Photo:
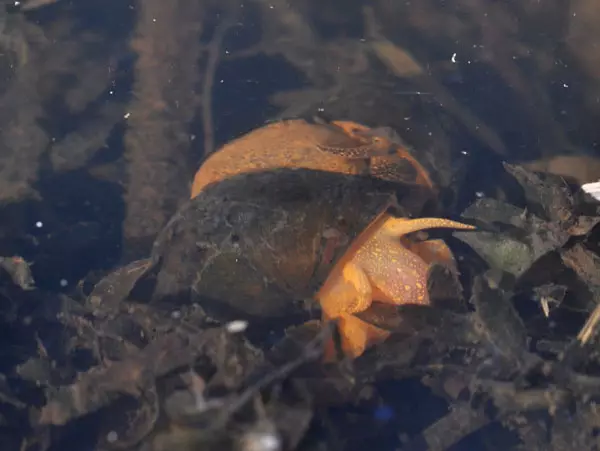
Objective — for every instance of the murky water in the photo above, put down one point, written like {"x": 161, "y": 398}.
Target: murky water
{"x": 106, "y": 103}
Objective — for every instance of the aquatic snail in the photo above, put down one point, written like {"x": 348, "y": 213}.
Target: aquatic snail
{"x": 263, "y": 232}
{"x": 343, "y": 147}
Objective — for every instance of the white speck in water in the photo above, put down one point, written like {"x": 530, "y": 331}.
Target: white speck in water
{"x": 236, "y": 326}
{"x": 565, "y": 85}
{"x": 126, "y": 116}
{"x": 480, "y": 194}
{"x": 112, "y": 437}
{"x": 175, "y": 314}
{"x": 464, "y": 152}
{"x": 261, "y": 441}
{"x": 453, "y": 59}
{"x": 63, "y": 283}
{"x": 39, "y": 224}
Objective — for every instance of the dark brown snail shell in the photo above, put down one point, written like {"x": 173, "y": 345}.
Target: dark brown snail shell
{"x": 257, "y": 242}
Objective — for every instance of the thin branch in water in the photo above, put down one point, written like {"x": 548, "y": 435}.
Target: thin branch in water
{"x": 214, "y": 50}
{"x": 33, "y": 4}
{"x": 590, "y": 327}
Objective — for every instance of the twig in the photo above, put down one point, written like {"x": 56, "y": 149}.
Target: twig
{"x": 310, "y": 352}
{"x": 214, "y": 50}
{"x": 459, "y": 423}
{"x": 589, "y": 328}
{"x": 33, "y": 4}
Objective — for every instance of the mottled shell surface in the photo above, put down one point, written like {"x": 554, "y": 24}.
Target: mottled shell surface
{"x": 258, "y": 241}
{"x": 343, "y": 147}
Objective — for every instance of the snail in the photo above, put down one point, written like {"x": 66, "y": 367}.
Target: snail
{"x": 261, "y": 242}
{"x": 318, "y": 211}
{"x": 338, "y": 146}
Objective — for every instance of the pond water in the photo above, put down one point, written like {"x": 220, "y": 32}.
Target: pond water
{"x": 465, "y": 84}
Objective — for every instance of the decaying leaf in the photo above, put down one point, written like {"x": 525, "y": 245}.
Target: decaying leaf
{"x": 550, "y": 197}
{"x": 584, "y": 262}
{"x": 19, "y": 271}
{"x": 116, "y": 286}
{"x": 499, "y": 320}
{"x": 513, "y": 239}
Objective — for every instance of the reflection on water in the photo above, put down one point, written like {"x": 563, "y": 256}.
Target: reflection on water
{"x": 109, "y": 106}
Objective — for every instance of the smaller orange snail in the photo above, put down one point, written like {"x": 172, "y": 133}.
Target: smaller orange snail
{"x": 342, "y": 147}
